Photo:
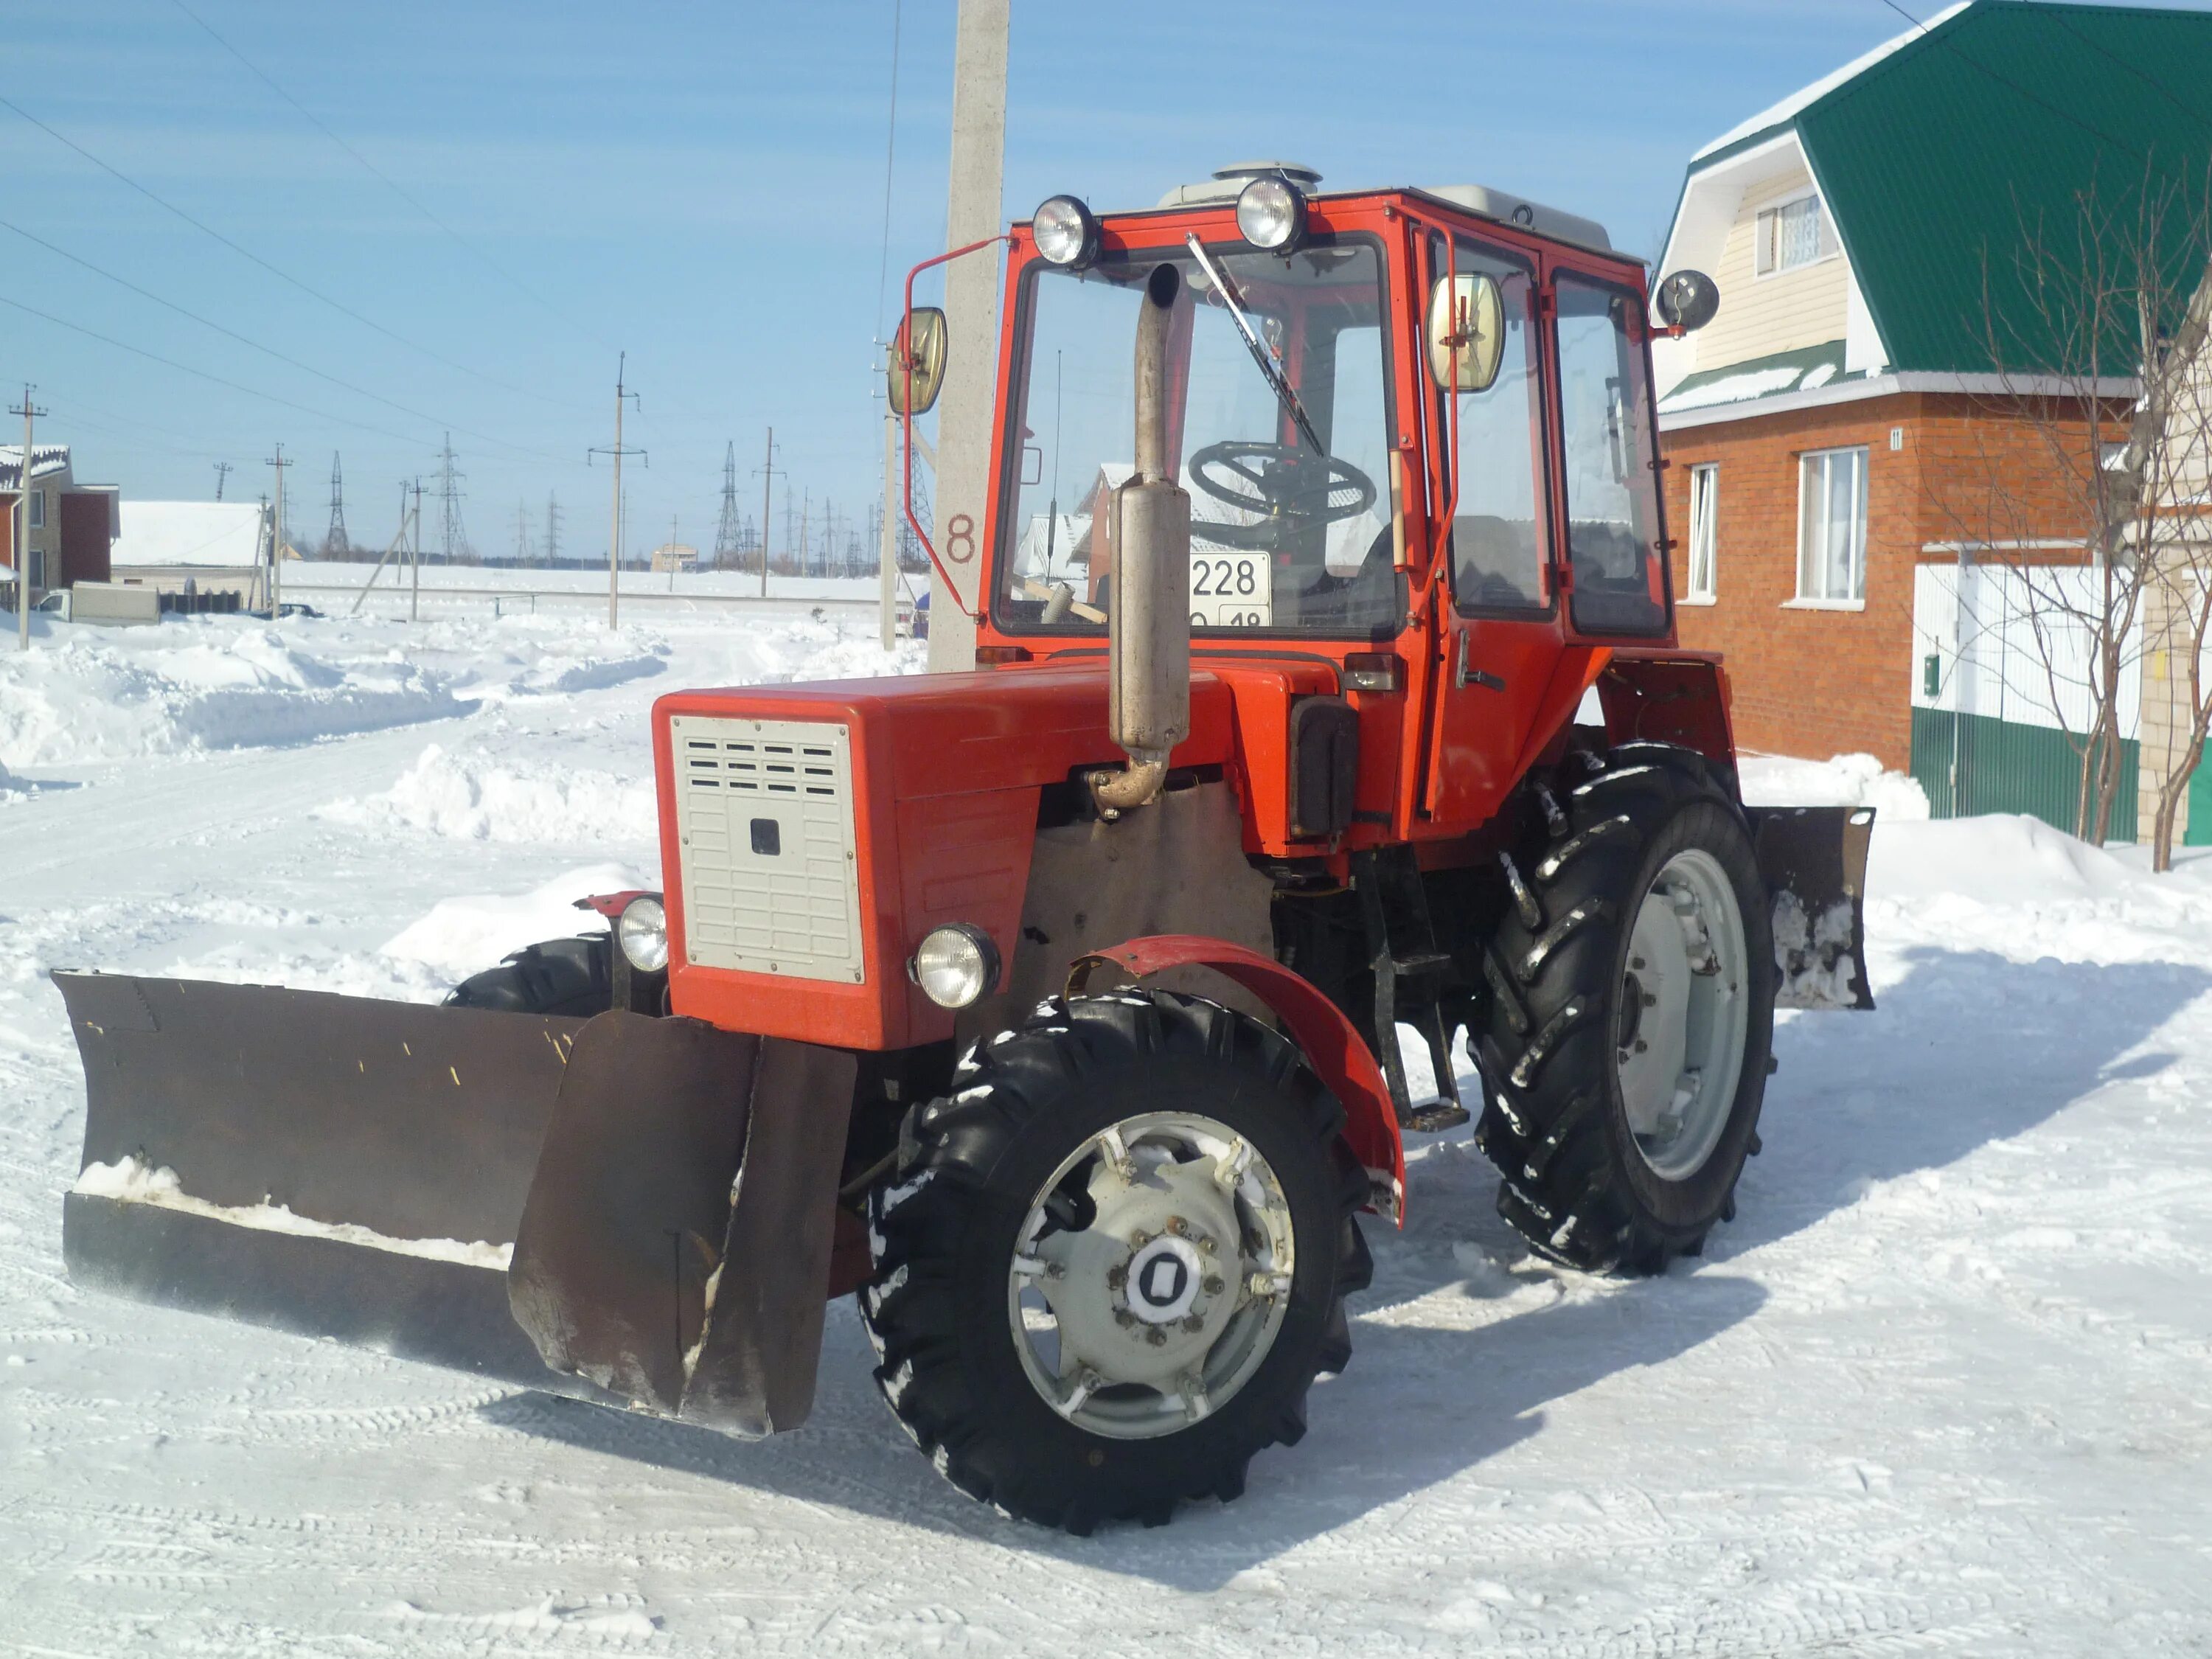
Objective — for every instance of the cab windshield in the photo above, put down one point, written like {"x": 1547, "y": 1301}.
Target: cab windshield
{"x": 1277, "y": 419}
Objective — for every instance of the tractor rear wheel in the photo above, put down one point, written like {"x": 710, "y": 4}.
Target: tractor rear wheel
{"x": 1630, "y": 1012}
{"x": 1113, "y": 1260}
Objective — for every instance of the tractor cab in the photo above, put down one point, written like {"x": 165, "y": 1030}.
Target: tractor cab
{"x": 1415, "y": 429}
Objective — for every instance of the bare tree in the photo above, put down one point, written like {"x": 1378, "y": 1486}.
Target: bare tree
{"x": 2097, "y": 343}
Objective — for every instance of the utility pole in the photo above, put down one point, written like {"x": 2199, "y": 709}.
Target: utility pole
{"x": 522, "y": 532}
{"x": 806, "y": 501}
{"x": 276, "y": 536}
{"x": 552, "y": 529}
{"x": 614, "y": 536}
{"x": 768, "y": 472}
{"x": 335, "y": 543}
{"x": 222, "y": 471}
{"x": 29, "y": 412}
{"x": 887, "y": 546}
{"x": 971, "y": 314}
{"x": 727, "y": 533}
{"x": 415, "y": 555}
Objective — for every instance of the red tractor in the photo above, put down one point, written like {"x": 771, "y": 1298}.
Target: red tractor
{"x": 1326, "y": 685}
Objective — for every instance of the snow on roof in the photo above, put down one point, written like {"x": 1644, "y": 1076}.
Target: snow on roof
{"x": 1774, "y": 115}
{"x": 45, "y": 458}
{"x": 218, "y": 533}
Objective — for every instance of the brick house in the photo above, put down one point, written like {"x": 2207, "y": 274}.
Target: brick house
{"x": 72, "y": 523}
{"x": 1834, "y": 438}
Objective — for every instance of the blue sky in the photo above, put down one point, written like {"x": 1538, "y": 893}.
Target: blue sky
{"x": 704, "y": 187}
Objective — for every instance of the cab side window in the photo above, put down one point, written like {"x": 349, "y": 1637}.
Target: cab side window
{"x": 1498, "y": 528}
{"x": 1613, "y": 507}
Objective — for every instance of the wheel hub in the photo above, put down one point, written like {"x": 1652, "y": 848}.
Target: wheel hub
{"x": 1684, "y": 1018}
{"x": 1163, "y": 1306}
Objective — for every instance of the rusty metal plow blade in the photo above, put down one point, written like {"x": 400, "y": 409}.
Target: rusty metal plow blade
{"x": 1814, "y": 859}
{"x": 545, "y": 1201}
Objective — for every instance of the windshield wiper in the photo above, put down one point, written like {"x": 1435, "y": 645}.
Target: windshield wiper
{"x": 1271, "y": 367}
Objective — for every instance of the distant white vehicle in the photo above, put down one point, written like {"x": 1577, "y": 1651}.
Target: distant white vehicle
{"x": 105, "y": 604}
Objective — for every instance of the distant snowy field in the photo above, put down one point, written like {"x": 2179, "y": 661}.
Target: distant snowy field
{"x": 1942, "y": 1385}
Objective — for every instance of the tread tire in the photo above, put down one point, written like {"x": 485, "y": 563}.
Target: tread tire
{"x": 1576, "y": 1186}
{"x": 560, "y": 976}
{"x": 942, "y": 1231}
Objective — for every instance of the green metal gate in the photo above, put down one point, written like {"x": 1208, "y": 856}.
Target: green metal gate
{"x": 1969, "y": 763}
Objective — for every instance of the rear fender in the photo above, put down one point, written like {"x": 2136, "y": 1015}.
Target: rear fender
{"x": 1333, "y": 1046}
{"x": 1670, "y": 696}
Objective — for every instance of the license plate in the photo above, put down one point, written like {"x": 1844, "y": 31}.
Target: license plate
{"x": 1231, "y": 590}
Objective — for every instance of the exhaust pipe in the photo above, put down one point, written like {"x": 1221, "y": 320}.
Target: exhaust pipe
{"x": 1148, "y": 613}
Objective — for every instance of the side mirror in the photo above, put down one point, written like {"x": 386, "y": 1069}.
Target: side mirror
{"x": 1466, "y": 332}
{"x": 1687, "y": 300}
{"x": 916, "y": 372}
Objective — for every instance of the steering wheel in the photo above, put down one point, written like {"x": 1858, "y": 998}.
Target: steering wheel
{"x": 1291, "y": 489}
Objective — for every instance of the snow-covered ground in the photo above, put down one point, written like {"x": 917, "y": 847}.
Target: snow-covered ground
{"x": 1943, "y": 1384}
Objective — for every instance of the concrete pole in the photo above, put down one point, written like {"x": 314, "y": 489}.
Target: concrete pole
{"x": 277, "y": 540}
{"x": 614, "y": 536}
{"x": 964, "y": 425}
{"x": 887, "y": 551}
{"x": 415, "y": 559}
{"x": 23, "y": 542}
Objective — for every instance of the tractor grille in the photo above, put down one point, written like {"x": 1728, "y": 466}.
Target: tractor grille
{"x": 764, "y": 821}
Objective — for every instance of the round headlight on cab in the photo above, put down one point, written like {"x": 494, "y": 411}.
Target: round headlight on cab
{"x": 955, "y": 965}
{"x": 1271, "y": 214}
{"x": 641, "y": 931}
{"x": 1066, "y": 232}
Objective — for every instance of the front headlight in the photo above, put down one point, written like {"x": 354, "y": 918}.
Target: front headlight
{"x": 1271, "y": 214}
{"x": 955, "y": 965}
{"x": 1066, "y": 232}
{"x": 642, "y": 934}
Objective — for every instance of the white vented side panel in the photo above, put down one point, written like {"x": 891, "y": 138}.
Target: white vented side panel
{"x": 771, "y": 882}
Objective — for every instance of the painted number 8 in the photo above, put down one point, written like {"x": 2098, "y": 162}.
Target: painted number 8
{"x": 960, "y": 538}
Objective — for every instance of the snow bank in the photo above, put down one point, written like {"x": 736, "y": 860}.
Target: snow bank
{"x": 88, "y": 694}
{"x": 461, "y": 936}
{"x": 473, "y": 797}
{"x": 1845, "y": 780}
{"x": 129, "y": 1182}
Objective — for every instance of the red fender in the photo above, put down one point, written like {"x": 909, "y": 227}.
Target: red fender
{"x": 1335, "y": 1049}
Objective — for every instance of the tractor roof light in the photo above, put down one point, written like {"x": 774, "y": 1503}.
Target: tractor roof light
{"x": 641, "y": 931}
{"x": 1271, "y": 214}
{"x": 1066, "y": 232}
{"x": 955, "y": 965}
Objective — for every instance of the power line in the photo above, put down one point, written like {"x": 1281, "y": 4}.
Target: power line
{"x": 200, "y": 373}
{"x": 277, "y": 271}
{"x": 2040, "y": 102}
{"x": 389, "y": 182}
{"x": 267, "y": 351}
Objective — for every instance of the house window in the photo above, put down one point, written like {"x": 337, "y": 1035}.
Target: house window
{"x": 37, "y": 509}
{"x": 1793, "y": 234}
{"x": 1705, "y": 520}
{"x": 1831, "y": 526}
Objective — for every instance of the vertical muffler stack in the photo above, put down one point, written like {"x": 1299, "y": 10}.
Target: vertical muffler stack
{"x": 1148, "y": 612}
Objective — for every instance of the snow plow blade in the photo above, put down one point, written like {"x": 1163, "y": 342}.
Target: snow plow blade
{"x": 548, "y": 1201}
{"x": 1814, "y": 859}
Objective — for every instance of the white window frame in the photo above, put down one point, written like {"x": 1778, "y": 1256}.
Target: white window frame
{"x": 1766, "y": 257}
{"x": 1815, "y": 534}
{"x": 1701, "y": 570}
{"x": 38, "y": 500}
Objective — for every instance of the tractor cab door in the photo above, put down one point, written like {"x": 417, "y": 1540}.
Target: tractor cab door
{"x": 1500, "y": 632}
{"x": 1615, "y": 564}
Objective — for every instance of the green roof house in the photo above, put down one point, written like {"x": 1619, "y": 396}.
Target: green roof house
{"x": 1874, "y": 237}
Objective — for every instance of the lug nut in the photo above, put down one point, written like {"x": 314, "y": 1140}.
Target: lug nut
{"x": 1116, "y": 1277}
{"x": 1124, "y": 1318}
{"x": 1193, "y": 1324}
{"x": 1175, "y": 1226}
{"x": 1157, "y": 1337}
{"x": 1650, "y": 1000}
{"x": 1214, "y": 1285}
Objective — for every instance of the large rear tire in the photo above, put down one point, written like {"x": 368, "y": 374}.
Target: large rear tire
{"x": 1630, "y": 1013}
{"x": 1114, "y": 1259}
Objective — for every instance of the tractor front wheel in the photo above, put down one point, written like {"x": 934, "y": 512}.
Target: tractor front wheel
{"x": 1630, "y": 1012}
{"x": 1113, "y": 1260}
